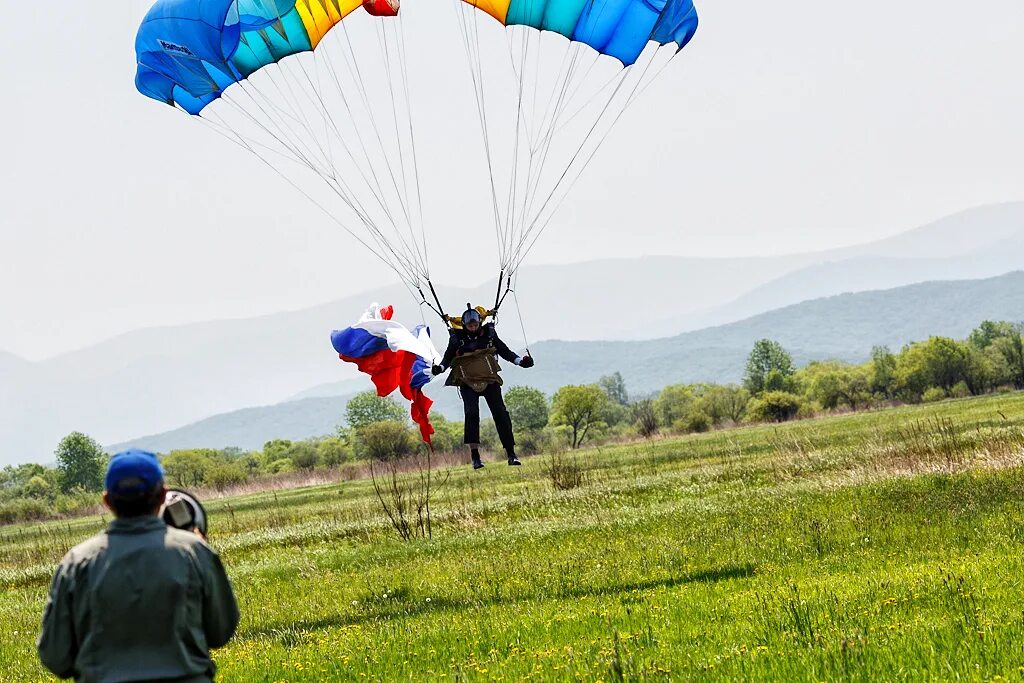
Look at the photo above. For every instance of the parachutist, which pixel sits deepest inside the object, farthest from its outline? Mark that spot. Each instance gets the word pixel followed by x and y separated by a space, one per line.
pixel 473 348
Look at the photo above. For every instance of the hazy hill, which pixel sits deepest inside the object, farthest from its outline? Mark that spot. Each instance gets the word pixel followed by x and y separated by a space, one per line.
pixel 972 244
pixel 844 327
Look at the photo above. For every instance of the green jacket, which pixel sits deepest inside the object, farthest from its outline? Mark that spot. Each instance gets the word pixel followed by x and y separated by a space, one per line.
pixel 138 602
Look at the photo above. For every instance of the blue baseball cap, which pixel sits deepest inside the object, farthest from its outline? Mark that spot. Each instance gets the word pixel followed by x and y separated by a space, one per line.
pixel 132 473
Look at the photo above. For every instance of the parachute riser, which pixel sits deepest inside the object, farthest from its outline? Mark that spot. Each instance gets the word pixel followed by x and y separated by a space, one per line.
pixel 439 310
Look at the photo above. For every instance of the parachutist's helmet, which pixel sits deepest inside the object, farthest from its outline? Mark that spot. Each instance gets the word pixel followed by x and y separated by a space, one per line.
pixel 470 316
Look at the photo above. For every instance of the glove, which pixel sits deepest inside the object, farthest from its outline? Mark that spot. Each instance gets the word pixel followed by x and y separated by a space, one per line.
pixel 436 370
pixel 526 362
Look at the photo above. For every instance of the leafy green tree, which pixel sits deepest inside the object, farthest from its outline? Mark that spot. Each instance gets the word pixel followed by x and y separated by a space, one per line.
pixel 769 368
pixel 615 387
pixel 580 410
pixel 276 450
pixel 528 408
pixel 81 462
pixel 833 384
pixel 333 451
pixel 883 372
pixel 674 403
pixel 939 362
pixel 386 440
pixel 367 407
pixel 38 488
pixel 224 474
pixel 303 455
pixel 723 403
pixel 190 467
pixel 14 477
pixel 989 331
pixel 1011 348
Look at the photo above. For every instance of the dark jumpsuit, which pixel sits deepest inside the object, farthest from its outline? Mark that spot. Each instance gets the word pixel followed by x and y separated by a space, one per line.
pixel 463 341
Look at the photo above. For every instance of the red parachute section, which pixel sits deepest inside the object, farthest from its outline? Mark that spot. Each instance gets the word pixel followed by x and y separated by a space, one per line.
pixel 381 8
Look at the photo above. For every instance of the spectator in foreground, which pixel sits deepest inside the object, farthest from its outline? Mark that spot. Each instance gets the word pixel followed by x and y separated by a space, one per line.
pixel 140 600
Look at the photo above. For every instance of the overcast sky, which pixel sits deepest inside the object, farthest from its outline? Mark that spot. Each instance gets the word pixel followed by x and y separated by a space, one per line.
pixel 783 127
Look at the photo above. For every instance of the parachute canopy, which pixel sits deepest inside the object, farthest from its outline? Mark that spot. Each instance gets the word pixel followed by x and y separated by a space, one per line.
pixel 190 51
pixel 618 28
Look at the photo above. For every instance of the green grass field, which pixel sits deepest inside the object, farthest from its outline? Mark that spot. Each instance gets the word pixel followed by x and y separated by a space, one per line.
pixel 878 546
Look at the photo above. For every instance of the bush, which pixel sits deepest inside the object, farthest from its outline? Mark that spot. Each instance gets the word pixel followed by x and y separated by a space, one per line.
pixel 774 406
pixel 695 421
pixel 303 455
pixel 222 475
pixel 24 510
pixel 332 452
pixel 564 471
pixel 38 488
pixel 387 440
pixel 281 466
pixel 960 390
pixel 932 394
pixel 645 418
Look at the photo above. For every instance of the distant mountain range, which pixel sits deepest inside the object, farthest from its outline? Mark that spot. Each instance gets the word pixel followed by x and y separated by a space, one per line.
pixel 154 380
pixel 840 327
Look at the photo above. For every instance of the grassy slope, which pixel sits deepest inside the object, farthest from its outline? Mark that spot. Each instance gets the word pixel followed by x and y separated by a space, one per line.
pixel 880 546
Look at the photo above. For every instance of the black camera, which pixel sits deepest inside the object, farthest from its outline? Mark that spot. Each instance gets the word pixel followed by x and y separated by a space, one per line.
pixel 182 510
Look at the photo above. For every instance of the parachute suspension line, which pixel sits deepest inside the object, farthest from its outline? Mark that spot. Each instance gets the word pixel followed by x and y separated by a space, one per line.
pixel 330 125
pixel 510 214
pixel 376 189
pixel 367 222
pixel 285 137
pixel 513 185
pixel 401 260
pixel 464 16
pixel 373 122
pixel 293 102
pixel 399 141
pixel 556 106
pixel 356 74
pixel 628 100
pixel 412 141
pixel 519 314
pixel 220 127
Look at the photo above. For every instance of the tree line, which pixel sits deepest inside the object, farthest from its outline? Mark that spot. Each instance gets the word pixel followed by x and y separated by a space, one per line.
pixel 373 428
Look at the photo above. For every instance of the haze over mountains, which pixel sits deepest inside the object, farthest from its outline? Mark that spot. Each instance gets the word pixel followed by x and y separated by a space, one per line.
pixel 843 327
pixel 155 380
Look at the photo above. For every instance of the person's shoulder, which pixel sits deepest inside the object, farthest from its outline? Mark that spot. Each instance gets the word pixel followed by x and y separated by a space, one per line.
pixel 187 542
pixel 87 549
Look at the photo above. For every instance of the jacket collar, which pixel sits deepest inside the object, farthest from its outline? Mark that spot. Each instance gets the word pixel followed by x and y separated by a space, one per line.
pixel 136 525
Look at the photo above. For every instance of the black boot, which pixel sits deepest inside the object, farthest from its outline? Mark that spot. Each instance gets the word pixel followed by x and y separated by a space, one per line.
pixel 477 463
pixel 512 459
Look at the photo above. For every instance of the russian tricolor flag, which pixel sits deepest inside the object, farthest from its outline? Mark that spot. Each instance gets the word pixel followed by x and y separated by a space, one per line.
pixel 393 357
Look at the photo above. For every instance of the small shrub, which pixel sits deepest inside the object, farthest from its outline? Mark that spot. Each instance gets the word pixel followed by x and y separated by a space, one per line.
pixel 774 406
pixel 695 422
pixel 645 418
pixel 387 440
pixel 933 394
pixel 564 471
pixel 224 475
pixel 24 510
pixel 960 390
pixel 281 466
